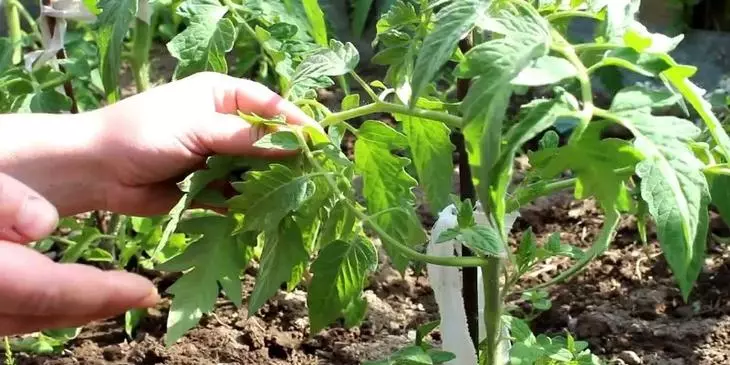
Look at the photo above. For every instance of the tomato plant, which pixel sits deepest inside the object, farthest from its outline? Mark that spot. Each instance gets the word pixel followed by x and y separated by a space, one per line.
pixel 303 218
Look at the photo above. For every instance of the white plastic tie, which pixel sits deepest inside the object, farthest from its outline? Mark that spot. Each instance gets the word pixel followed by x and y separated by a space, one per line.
pixel 51 45
pixel 144 13
pixel 447 285
pixel 67 9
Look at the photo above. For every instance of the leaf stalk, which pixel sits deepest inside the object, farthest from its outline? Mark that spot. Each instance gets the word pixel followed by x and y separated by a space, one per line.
pixel 386 107
pixel 586 114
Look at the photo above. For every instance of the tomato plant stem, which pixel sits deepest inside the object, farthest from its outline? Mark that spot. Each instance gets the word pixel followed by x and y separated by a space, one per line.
pixel 385 107
pixel 12 16
pixel 384 236
pixel 8 352
pixel 492 310
pixel 141 54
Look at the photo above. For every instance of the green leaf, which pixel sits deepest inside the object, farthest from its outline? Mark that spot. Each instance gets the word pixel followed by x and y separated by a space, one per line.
pixel 269 196
pixel 207 262
pixel 423 331
pixel 678 77
pixel 113 24
pixel 202 46
pixel 430 145
pixel 351 101
pixel 641 99
pixel 283 251
pixel 593 160
pixel 518 329
pixel 316 20
pixel 339 274
pixel 497 63
pixel 339 224
pixel 527 250
pixel 132 318
pixel 720 191
pixel 646 64
pixel 643 41
pixel 540 116
pixel 550 139
pixel 282 140
pixel 387 185
pixel 98 255
pixel 483 240
pixel 194 184
pixel 546 70
pixel 621 14
pixel 676 190
pixel 6 54
pixel 336 60
pixel 46 101
pixel 451 23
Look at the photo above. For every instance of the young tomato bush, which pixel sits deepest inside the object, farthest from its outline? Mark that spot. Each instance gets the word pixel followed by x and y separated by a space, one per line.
pixel 303 218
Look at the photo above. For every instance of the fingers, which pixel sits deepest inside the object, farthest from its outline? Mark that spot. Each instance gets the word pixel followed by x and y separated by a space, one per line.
pixel 25 216
pixel 234 94
pixel 33 286
pixel 230 135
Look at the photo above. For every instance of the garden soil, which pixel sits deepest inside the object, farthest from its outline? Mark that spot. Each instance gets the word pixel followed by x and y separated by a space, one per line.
pixel 625 305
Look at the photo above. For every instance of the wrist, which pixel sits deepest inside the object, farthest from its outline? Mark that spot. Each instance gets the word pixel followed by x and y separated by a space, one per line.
pixel 59 156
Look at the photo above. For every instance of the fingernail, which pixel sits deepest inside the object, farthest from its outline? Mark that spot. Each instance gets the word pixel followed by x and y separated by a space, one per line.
pixel 139 291
pixel 151 299
pixel 37 218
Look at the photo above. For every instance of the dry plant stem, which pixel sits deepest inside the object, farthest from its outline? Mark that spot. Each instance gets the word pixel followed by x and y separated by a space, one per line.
pixel 12 18
pixel 395 244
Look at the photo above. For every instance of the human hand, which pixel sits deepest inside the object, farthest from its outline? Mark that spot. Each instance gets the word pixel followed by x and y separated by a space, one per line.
pixel 38 294
pixel 156 138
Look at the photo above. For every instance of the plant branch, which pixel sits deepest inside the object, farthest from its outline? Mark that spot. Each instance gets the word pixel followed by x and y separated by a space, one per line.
pixel 373 96
pixel 529 193
pixel 314 103
pixel 12 17
pixel 141 54
pixel 395 244
pixel 27 18
pixel 586 114
pixel 385 107
pixel 587 47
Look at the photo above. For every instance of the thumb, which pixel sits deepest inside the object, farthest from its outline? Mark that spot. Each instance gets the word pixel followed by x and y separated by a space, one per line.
pixel 25 216
pixel 230 135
